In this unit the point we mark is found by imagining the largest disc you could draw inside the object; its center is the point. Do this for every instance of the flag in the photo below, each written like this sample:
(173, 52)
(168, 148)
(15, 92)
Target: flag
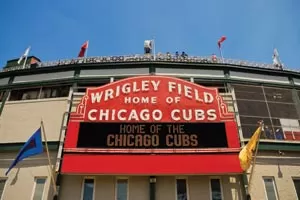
(33, 146)
(276, 60)
(148, 46)
(83, 49)
(245, 155)
(221, 40)
(24, 55)
(33, 61)
(276, 53)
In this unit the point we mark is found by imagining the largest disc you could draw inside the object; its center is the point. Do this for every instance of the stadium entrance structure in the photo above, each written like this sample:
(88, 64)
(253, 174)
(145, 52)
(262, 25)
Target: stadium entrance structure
(181, 144)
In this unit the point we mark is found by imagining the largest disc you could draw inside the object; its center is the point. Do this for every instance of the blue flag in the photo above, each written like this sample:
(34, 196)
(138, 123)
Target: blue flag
(32, 147)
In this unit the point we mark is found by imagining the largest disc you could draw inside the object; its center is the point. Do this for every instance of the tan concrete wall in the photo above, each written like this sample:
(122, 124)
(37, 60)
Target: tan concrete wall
(20, 119)
(105, 188)
(232, 187)
(165, 188)
(139, 188)
(282, 170)
(20, 180)
(198, 187)
(71, 187)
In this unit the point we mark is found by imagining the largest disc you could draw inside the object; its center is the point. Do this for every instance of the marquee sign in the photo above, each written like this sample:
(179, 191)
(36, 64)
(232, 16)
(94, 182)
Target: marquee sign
(151, 114)
(152, 99)
(147, 125)
(152, 135)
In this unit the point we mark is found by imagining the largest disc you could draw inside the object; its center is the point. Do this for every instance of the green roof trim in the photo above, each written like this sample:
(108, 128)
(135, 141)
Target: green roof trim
(276, 147)
(11, 147)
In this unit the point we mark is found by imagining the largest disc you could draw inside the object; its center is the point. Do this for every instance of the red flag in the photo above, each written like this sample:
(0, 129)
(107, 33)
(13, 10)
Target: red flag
(222, 39)
(33, 61)
(83, 49)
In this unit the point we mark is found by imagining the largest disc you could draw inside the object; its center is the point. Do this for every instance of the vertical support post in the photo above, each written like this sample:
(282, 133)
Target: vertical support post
(152, 186)
(4, 99)
(296, 99)
(244, 184)
(6, 94)
(268, 109)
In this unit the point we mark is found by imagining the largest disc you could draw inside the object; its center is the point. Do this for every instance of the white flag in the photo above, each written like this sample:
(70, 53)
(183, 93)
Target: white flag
(276, 60)
(148, 47)
(26, 53)
(148, 44)
(276, 54)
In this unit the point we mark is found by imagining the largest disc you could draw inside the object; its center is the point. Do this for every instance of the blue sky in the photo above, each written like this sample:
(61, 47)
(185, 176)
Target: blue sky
(56, 29)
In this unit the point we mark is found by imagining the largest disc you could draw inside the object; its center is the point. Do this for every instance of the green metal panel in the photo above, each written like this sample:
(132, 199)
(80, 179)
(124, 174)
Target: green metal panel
(12, 147)
(279, 146)
(152, 66)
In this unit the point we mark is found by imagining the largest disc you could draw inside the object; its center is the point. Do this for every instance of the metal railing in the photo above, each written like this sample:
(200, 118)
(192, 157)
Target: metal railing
(149, 58)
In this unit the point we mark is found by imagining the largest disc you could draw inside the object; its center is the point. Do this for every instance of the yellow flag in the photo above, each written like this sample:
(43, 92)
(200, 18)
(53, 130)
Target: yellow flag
(246, 153)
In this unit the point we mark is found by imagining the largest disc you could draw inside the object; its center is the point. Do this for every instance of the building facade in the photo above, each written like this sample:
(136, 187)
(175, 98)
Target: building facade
(137, 128)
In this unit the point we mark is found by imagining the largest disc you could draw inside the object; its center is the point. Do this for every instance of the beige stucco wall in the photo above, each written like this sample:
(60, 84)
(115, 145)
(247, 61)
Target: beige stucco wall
(105, 187)
(198, 187)
(139, 188)
(20, 180)
(20, 119)
(71, 187)
(282, 169)
(165, 188)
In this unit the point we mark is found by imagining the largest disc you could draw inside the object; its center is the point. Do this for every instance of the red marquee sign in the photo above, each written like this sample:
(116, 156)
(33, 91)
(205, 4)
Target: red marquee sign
(153, 115)
(152, 99)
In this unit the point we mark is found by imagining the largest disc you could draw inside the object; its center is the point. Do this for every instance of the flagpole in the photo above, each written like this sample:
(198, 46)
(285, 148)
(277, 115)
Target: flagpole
(88, 42)
(154, 56)
(26, 58)
(254, 160)
(24, 62)
(48, 155)
(221, 54)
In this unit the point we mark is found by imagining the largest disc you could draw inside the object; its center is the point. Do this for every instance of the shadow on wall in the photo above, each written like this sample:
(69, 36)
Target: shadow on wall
(15, 179)
(280, 174)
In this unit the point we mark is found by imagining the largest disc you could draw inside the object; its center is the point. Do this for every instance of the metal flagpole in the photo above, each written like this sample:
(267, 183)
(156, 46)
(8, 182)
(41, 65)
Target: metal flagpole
(24, 62)
(221, 54)
(254, 160)
(26, 57)
(48, 155)
(154, 56)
